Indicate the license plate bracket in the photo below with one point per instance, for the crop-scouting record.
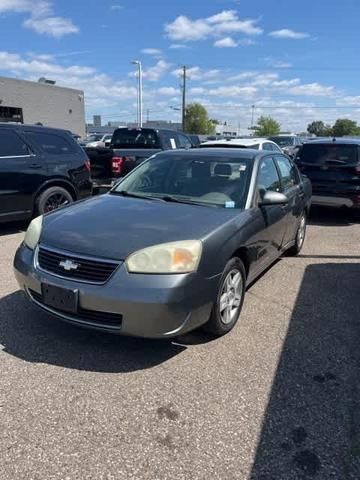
(59, 298)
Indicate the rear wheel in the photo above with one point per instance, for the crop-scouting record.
(300, 237)
(52, 198)
(230, 298)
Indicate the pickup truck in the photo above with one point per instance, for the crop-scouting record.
(128, 148)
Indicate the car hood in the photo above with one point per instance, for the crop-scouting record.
(111, 226)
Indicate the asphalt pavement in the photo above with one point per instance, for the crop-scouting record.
(276, 399)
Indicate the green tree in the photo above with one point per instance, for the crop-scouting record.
(345, 126)
(197, 120)
(319, 129)
(266, 126)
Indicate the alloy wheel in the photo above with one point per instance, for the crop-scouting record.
(231, 296)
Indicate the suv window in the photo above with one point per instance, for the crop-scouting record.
(268, 177)
(183, 141)
(288, 173)
(51, 143)
(267, 146)
(11, 145)
(329, 154)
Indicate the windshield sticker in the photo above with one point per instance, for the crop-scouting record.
(173, 144)
(242, 168)
(230, 204)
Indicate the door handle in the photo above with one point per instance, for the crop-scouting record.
(35, 165)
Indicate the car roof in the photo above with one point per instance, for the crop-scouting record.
(219, 153)
(29, 126)
(238, 141)
(334, 141)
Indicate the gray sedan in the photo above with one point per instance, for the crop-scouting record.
(171, 247)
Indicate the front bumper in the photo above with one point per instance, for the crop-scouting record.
(152, 306)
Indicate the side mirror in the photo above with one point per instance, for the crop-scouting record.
(273, 198)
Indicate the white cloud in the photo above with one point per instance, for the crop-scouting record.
(233, 91)
(185, 29)
(313, 89)
(167, 91)
(225, 42)
(157, 71)
(196, 73)
(41, 18)
(287, 33)
(176, 46)
(116, 7)
(53, 26)
(151, 51)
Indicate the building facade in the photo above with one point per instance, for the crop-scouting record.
(41, 102)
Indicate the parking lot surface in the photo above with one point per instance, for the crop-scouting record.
(276, 399)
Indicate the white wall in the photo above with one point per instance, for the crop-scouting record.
(45, 103)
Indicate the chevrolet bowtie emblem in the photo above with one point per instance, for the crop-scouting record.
(69, 265)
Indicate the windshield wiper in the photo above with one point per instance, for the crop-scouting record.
(125, 193)
(170, 198)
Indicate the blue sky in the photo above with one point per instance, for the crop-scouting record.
(289, 58)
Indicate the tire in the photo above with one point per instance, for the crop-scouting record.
(299, 238)
(51, 199)
(222, 320)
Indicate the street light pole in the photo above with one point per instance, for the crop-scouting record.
(139, 93)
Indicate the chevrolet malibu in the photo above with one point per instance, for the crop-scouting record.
(171, 247)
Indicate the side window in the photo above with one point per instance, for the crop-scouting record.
(268, 177)
(183, 141)
(267, 146)
(11, 145)
(51, 143)
(288, 173)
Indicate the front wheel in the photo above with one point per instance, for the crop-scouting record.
(300, 237)
(229, 300)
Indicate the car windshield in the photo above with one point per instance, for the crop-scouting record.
(94, 138)
(135, 138)
(329, 153)
(213, 181)
(283, 141)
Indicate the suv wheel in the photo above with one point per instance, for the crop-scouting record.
(230, 298)
(51, 199)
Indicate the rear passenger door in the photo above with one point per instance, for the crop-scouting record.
(21, 173)
(271, 219)
(291, 187)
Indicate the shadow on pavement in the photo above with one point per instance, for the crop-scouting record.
(311, 427)
(34, 336)
(333, 217)
(12, 228)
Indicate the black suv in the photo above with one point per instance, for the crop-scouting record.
(40, 169)
(333, 166)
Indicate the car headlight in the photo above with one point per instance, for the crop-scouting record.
(174, 257)
(32, 235)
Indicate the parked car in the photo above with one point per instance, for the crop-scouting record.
(98, 140)
(253, 142)
(333, 166)
(289, 144)
(41, 169)
(171, 247)
(129, 148)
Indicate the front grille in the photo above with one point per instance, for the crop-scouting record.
(101, 319)
(88, 270)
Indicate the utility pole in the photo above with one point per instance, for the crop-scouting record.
(147, 114)
(252, 115)
(139, 93)
(183, 98)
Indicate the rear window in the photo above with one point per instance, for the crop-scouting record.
(322, 154)
(135, 138)
(51, 143)
(283, 141)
